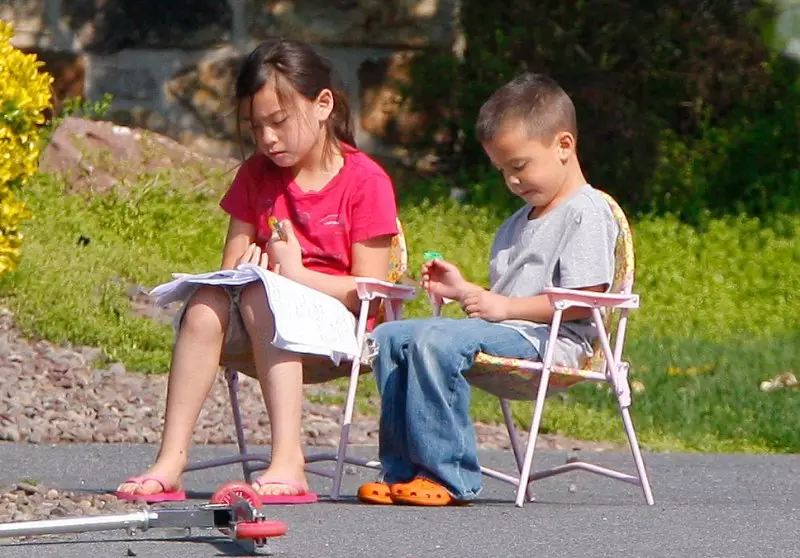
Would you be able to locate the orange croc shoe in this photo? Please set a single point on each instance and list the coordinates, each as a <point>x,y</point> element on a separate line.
<point>423,492</point>
<point>375,493</point>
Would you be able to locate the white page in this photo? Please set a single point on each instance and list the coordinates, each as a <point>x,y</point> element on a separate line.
<point>180,288</point>
<point>306,320</point>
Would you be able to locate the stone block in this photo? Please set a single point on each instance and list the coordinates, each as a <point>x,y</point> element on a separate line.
<point>205,91</point>
<point>384,113</point>
<point>27,16</point>
<point>109,26</point>
<point>386,23</point>
<point>68,71</point>
<point>126,84</point>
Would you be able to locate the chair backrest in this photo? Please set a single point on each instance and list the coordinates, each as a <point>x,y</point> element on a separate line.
<point>398,263</point>
<point>624,263</point>
<point>624,267</point>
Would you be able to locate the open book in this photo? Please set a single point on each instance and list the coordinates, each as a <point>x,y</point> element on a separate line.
<point>306,320</point>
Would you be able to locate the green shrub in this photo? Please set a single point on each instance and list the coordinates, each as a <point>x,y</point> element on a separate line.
<point>681,108</point>
<point>751,164</point>
<point>24,95</point>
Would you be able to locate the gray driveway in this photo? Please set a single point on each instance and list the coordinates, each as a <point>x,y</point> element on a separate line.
<point>706,505</point>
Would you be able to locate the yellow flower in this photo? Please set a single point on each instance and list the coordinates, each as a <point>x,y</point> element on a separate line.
<point>24,96</point>
<point>691,371</point>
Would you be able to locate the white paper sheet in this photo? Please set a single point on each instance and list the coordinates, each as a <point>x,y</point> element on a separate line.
<point>306,321</point>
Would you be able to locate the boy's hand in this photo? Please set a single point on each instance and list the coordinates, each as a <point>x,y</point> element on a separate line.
<point>253,255</point>
<point>486,305</point>
<point>442,279</point>
<point>286,255</point>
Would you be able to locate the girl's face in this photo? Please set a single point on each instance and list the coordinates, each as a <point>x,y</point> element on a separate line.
<point>287,130</point>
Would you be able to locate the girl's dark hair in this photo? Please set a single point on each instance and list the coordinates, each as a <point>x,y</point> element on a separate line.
<point>295,65</point>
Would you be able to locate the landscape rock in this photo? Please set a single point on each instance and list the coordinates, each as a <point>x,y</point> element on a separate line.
<point>96,156</point>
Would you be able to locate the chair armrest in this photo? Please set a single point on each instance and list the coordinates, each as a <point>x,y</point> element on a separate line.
<point>564,298</point>
<point>370,289</point>
<point>437,303</point>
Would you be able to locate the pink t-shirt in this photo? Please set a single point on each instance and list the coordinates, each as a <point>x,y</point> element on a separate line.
<point>356,205</point>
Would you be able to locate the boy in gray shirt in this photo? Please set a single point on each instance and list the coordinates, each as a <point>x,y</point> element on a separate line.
<point>564,236</point>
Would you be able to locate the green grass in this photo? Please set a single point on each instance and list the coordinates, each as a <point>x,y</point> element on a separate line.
<point>66,290</point>
<point>719,306</point>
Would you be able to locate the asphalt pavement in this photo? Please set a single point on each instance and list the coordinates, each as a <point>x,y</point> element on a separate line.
<point>706,506</point>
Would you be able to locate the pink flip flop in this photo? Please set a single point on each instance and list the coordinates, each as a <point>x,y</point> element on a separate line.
<point>166,495</point>
<point>303,497</point>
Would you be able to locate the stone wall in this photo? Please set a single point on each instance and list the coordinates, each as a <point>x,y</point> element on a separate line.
<point>169,63</point>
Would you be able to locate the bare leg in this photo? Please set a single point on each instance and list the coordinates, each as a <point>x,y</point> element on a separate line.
<point>195,362</point>
<point>280,374</point>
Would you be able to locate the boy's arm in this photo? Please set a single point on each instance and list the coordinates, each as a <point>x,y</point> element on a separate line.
<point>495,307</point>
<point>467,288</point>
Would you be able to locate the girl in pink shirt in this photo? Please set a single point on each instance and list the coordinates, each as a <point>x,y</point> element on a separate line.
<point>338,209</point>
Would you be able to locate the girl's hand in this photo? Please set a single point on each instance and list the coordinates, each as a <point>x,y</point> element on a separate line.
<point>486,305</point>
<point>253,255</point>
<point>443,279</point>
<point>286,255</point>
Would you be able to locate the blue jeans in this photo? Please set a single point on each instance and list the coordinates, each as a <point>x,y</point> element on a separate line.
<point>425,427</point>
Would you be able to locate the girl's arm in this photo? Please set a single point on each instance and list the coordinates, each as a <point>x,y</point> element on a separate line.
<point>240,236</point>
<point>370,259</point>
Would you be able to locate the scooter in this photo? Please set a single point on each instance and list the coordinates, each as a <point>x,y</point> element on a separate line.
<point>233,510</point>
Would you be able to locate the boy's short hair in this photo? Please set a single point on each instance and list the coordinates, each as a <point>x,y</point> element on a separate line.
<point>536,101</point>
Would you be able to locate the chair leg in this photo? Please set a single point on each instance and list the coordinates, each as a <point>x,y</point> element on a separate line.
<point>232,378</point>
<point>349,405</point>
<point>541,393</point>
<point>637,454</point>
<point>514,438</point>
<point>344,435</point>
<point>525,474</point>
<point>619,382</point>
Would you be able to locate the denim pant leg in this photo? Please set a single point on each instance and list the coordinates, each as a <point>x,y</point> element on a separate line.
<point>420,369</point>
<point>390,369</point>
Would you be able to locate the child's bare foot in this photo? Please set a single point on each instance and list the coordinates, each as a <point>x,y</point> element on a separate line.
<point>160,479</point>
<point>282,481</point>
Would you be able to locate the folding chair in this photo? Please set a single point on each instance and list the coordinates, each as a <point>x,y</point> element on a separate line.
<point>316,370</point>
<point>519,379</point>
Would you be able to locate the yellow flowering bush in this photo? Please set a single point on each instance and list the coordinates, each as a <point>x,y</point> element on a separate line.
<point>24,95</point>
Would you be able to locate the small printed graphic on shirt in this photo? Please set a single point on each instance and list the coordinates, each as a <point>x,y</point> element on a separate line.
<point>330,220</point>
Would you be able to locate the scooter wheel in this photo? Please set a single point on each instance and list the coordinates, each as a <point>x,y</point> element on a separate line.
<point>256,530</point>
<point>225,493</point>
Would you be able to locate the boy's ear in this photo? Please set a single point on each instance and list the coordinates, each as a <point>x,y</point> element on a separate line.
<point>323,104</point>
<point>565,144</point>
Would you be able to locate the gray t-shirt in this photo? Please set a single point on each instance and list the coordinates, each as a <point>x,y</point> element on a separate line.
<point>572,246</point>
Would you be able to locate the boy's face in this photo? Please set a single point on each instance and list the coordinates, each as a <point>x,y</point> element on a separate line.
<point>533,169</point>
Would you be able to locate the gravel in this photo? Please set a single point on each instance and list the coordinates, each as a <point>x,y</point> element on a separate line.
<point>24,501</point>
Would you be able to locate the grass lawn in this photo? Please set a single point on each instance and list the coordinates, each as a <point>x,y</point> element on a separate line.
<point>719,306</point>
